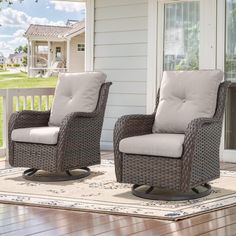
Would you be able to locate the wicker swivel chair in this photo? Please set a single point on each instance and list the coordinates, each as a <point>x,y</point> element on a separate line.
<point>165,166</point>
<point>55,144</point>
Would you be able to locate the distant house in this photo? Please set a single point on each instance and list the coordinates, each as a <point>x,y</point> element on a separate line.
<point>2,59</point>
<point>16,58</point>
<point>52,49</point>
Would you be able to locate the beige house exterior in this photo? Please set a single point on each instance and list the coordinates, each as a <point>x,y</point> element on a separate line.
<point>54,49</point>
<point>2,59</point>
<point>16,58</point>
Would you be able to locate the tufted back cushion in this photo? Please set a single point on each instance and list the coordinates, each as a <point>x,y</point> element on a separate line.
<point>184,96</point>
<point>75,92</point>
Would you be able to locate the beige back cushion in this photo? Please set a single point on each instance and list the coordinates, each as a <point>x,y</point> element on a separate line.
<point>75,92</point>
<point>184,96</point>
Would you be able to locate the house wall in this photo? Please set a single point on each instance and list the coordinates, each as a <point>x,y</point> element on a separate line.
<point>121,52</point>
<point>2,60</point>
<point>77,57</point>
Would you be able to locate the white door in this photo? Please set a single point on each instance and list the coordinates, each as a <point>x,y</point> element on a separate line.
<point>186,34</point>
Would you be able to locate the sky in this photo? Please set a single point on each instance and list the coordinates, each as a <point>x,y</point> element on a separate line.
<point>15,19</point>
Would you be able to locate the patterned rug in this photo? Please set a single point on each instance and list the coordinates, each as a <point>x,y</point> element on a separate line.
<point>101,193</point>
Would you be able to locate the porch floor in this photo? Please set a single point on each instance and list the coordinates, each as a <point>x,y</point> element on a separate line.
<point>24,220</point>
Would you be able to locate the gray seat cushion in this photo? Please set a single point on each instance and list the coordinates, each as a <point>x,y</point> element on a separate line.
<point>43,135</point>
<point>185,96</point>
<point>75,92</point>
<point>165,145</point>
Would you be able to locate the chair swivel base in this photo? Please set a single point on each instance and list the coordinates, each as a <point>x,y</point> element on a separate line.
<point>154,193</point>
<point>43,176</point>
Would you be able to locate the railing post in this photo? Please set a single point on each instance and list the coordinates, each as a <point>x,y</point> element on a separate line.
<point>3,148</point>
<point>8,95</point>
<point>8,105</point>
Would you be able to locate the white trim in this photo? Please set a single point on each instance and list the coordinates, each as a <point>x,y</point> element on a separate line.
<point>220,64</point>
<point>207,46</point>
<point>160,43</point>
<point>89,36</point>
<point>229,156</point>
<point>2,152</point>
<point>68,54</point>
<point>106,146</point>
<point>49,54</point>
<point>79,32</point>
<point>220,61</point>
<point>152,56</point>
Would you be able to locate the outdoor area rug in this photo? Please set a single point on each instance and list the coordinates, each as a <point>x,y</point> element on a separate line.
<point>101,193</point>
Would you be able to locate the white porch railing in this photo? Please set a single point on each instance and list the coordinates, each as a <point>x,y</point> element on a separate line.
<point>12,100</point>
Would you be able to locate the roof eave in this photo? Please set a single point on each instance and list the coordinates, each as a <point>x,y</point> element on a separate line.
<point>69,36</point>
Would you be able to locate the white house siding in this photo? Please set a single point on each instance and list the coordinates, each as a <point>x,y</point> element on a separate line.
<point>121,52</point>
<point>76,57</point>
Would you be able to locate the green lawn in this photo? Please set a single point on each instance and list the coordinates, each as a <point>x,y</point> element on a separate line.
<point>21,80</point>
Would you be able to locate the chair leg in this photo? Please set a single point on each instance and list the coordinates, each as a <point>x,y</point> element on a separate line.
<point>43,176</point>
<point>154,193</point>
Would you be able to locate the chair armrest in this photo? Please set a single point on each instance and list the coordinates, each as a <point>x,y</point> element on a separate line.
<point>77,121</point>
<point>25,119</point>
<point>201,148</point>
<point>79,129</point>
<point>200,122</point>
<point>75,116</point>
<point>128,126</point>
<point>198,128</point>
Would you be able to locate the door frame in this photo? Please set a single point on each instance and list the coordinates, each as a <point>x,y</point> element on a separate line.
<point>156,46</point>
<point>155,49</point>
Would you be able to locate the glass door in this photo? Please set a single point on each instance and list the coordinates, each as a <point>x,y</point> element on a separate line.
<point>230,74</point>
<point>188,35</point>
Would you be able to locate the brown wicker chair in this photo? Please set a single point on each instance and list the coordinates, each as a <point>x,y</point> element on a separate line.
<point>162,178</point>
<point>78,144</point>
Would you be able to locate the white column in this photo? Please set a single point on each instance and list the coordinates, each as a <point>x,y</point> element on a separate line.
<point>89,36</point>
<point>49,54</point>
<point>68,55</point>
<point>32,49</point>
<point>28,58</point>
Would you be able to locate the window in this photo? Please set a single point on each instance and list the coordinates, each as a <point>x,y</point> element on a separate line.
<point>58,53</point>
<point>81,47</point>
<point>181,36</point>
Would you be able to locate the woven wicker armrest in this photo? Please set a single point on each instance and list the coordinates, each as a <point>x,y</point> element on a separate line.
<point>26,119</point>
<point>132,125</point>
<point>201,148</point>
<point>76,122</point>
<point>70,118</point>
<point>201,122</point>
<point>199,126</point>
<point>128,126</point>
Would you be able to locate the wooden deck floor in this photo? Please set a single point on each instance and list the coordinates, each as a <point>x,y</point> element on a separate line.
<point>22,220</point>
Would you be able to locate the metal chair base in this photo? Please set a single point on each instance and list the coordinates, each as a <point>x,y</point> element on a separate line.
<point>43,176</point>
<point>154,193</point>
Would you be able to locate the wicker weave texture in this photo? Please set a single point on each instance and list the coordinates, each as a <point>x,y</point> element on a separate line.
<point>78,142</point>
<point>198,164</point>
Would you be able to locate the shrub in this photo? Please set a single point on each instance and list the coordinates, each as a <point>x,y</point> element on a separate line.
<point>15,65</point>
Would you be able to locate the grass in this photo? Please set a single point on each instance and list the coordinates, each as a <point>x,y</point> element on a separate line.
<point>21,80</point>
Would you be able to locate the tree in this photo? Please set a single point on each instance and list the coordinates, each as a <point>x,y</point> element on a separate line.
<point>21,49</point>
<point>25,49</point>
<point>24,61</point>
